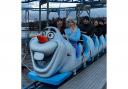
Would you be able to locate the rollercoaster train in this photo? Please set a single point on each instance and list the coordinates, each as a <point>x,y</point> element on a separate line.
<point>54,58</point>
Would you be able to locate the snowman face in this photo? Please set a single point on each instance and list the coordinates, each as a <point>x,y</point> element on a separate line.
<point>46,52</point>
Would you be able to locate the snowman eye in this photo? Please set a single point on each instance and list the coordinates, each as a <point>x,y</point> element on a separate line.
<point>50,35</point>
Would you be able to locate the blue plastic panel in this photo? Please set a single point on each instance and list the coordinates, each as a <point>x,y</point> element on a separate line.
<point>54,80</point>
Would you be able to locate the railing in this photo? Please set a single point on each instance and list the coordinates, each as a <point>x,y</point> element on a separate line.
<point>28,34</point>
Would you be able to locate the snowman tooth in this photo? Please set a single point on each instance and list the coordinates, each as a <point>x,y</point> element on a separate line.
<point>38,56</point>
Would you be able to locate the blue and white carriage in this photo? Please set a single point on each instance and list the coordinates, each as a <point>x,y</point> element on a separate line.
<point>54,59</point>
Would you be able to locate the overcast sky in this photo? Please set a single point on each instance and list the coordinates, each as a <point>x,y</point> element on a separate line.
<point>99,12</point>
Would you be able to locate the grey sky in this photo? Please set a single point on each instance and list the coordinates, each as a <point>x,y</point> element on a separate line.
<point>99,12</point>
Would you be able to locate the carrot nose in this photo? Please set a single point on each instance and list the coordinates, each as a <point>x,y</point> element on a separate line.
<point>42,39</point>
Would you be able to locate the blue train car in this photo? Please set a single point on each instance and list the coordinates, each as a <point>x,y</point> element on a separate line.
<point>54,58</point>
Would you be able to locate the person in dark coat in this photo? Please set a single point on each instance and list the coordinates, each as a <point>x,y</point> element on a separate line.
<point>60,25</point>
<point>102,27</point>
<point>105,28</point>
<point>97,29</point>
<point>86,27</point>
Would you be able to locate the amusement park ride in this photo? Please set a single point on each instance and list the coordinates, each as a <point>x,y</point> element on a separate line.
<point>53,57</point>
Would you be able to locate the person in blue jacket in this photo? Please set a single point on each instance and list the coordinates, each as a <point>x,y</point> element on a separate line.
<point>73,33</point>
